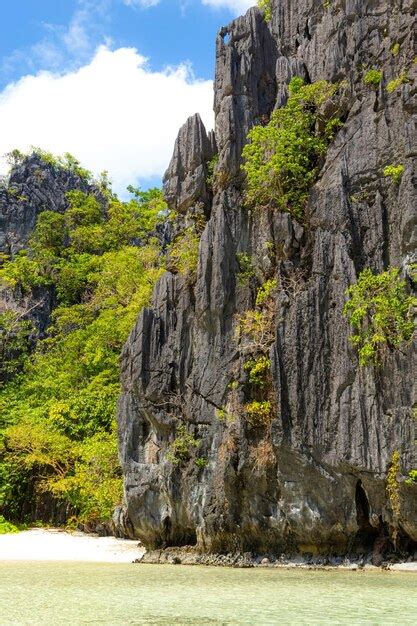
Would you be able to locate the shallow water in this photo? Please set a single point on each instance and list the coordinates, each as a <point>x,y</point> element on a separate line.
<point>89,593</point>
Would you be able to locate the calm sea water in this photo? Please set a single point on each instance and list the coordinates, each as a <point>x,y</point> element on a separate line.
<point>85,593</point>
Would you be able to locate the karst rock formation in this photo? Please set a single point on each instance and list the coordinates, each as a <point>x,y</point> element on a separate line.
<point>314,478</point>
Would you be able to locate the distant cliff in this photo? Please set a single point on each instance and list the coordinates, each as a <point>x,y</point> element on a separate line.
<point>33,186</point>
<point>319,474</point>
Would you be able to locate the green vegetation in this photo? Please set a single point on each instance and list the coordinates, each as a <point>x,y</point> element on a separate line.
<point>259,413</point>
<point>265,291</point>
<point>246,269</point>
<point>380,312</point>
<point>396,83</point>
<point>183,252</point>
<point>395,49</point>
<point>372,77</point>
<point>395,172</point>
<point>57,417</point>
<point>266,6</point>
<point>281,159</point>
<point>256,327</point>
<point>412,477</point>
<point>258,370</point>
<point>255,332</point>
<point>15,342</point>
<point>181,448</point>
<point>66,162</point>
<point>211,171</point>
<point>7,527</point>
<point>392,484</point>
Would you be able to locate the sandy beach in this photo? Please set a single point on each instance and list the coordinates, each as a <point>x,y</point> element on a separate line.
<point>59,545</point>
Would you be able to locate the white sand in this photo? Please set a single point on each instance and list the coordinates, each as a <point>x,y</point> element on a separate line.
<point>58,545</point>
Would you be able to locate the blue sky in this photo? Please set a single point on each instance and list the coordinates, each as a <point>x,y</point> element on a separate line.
<point>108,80</point>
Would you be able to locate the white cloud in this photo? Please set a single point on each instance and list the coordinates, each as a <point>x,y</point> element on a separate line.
<point>141,3</point>
<point>113,114</point>
<point>236,6</point>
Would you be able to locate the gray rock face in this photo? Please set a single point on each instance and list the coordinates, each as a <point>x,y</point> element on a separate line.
<point>33,186</point>
<point>185,179</point>
<point>315,478</point>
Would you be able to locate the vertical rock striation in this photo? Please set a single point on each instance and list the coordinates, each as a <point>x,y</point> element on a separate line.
<point>315,479</point>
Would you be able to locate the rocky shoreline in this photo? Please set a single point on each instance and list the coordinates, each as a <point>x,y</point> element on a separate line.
<point>189,556</point>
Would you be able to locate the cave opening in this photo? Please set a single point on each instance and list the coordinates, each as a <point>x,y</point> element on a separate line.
<point>366,534</point>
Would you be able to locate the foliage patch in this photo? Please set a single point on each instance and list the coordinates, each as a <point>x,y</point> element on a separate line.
<point>281,159</point>
<point>379,310</point>
<point>57,427</point>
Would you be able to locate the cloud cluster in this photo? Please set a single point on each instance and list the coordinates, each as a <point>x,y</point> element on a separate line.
<point>113,113</point>
<point>146,4</point>
<point>235,6</point>
<point>107,107</point>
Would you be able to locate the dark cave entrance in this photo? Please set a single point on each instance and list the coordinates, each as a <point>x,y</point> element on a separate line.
<point>366,534</point>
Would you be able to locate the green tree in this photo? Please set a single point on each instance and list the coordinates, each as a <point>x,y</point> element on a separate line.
<point>57,417</point>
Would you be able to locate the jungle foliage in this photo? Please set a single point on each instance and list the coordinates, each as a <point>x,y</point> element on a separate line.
<point>99,261</point>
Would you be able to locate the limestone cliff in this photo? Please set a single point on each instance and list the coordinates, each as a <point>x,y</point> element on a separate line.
<point>33,186</point>
<point>315,477</point>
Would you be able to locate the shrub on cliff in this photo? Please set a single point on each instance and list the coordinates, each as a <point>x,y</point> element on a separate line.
<point>372,78</point>
<point>281,159</point>
<point>380,312</point>
<point>183,252</point>
<point>266,6</point>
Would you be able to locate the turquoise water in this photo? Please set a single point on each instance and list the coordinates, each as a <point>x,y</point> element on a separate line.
<point>89,593</point>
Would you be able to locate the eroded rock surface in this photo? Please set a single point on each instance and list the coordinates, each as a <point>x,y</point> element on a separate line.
<point>314,480</point>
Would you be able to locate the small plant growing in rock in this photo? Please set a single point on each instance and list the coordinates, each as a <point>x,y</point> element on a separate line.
<point>412,477</point>
<point>372,78</point>
<point>258,370</point>
<point>396,83</point>
<point>66,162</point>
<point>380,312</point>
<point>224,415</point>
<point>265,291</point>
<point>201,462</point>
<point>256,328</point>
<point>246,269</point>
<point>211,171</point>
<point>183,252</point>
<point>395,49</point>
<point>259,412</point>
<point>395,172</point>
<point>181,448</point>
<point>266,6</point>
